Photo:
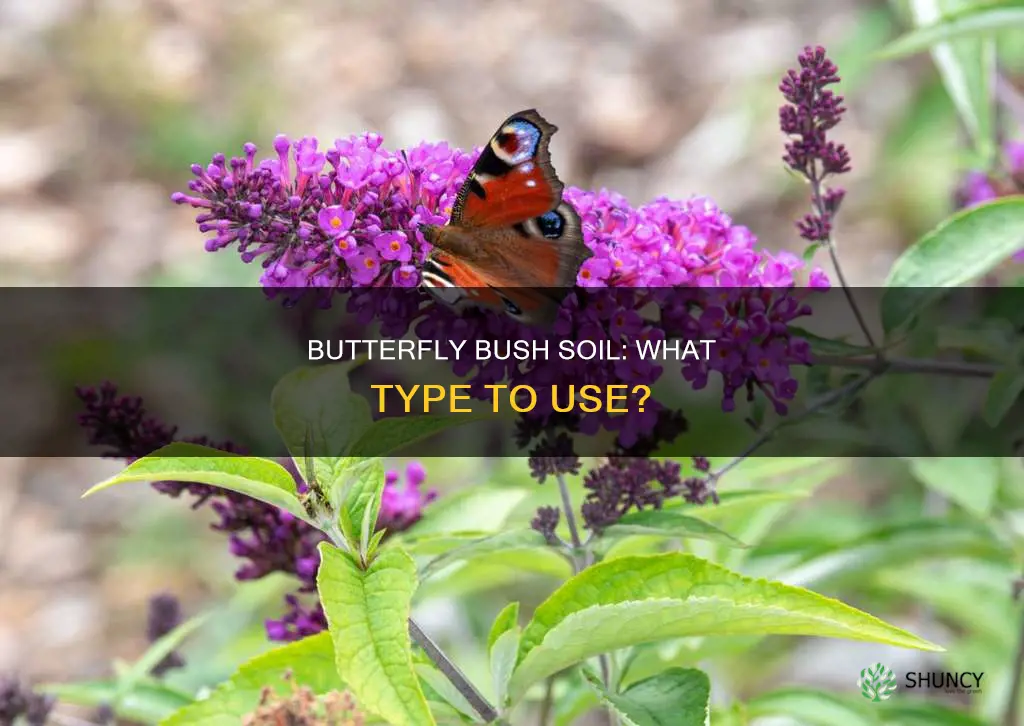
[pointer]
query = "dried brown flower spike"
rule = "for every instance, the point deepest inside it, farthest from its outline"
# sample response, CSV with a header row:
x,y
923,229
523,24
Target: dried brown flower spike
x,y
303,708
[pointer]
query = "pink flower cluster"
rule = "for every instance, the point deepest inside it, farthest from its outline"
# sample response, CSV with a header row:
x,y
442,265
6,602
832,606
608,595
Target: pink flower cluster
x,y
348,218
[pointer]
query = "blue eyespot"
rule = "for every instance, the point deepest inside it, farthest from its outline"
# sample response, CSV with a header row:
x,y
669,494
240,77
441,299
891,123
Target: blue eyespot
x,y
527,137
551,224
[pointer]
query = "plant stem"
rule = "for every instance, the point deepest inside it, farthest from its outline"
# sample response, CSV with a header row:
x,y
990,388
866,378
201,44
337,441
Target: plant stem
x,y
847,291
452,673
819,205
816,405
570,515
1012,717
548,703
930,366
578,566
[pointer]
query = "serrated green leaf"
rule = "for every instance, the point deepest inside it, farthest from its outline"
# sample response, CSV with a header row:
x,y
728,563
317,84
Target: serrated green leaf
x,y
635,600
960,249
388,435
368,614
147,702
258,478
1003,392
358,490
311,662
675,697
669,523
979,19
970,482
505,542
504,621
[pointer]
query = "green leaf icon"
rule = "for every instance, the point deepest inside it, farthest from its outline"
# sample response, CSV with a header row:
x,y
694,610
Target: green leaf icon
x,y
877,682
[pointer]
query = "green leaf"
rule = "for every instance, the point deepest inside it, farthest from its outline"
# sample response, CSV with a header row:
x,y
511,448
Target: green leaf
x,y
963,247
669,523
635,600
909,713
358,489
482,507
147,702
1003,392
436,680
311,662
967,68
504,542
994,339
815,708
258,478
892,546
975,20
163,647
828,346
389,435
675,697
368,614
431,545
503,663
504,621
970,482
319,418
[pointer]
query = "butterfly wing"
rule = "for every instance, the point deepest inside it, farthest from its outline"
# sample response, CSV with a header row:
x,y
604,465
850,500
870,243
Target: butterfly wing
x,y
511,242
512,180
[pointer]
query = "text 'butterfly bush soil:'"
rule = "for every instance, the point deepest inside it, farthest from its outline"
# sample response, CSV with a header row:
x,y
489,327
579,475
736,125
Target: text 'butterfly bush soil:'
x,y
346,219
266,538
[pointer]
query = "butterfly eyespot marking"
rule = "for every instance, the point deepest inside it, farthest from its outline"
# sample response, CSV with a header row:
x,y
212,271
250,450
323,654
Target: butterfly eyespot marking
x,y
551,224
516,142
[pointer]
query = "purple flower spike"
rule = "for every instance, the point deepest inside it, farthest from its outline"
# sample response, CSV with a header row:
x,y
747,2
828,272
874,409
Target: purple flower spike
x,y
18,701
634,484
811,111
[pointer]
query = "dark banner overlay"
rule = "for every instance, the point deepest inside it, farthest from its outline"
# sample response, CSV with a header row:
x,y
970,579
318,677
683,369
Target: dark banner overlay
x,y
681,371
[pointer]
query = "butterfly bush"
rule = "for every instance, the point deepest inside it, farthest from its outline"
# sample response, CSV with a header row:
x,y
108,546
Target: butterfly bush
x,y
346,220
266,539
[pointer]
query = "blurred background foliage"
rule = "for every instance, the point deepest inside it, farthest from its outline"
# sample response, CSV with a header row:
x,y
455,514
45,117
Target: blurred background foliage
x,y
105,103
